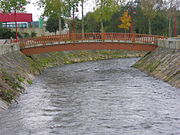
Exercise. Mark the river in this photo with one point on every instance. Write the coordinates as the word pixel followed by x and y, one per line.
pixel 106 97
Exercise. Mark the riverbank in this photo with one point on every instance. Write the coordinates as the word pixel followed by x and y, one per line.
pixel 163 64
pixel 18 71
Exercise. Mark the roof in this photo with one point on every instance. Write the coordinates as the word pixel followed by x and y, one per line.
pixel 15 17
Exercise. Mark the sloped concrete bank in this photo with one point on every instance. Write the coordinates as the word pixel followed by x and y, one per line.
pixel 163 63
pixel 17 71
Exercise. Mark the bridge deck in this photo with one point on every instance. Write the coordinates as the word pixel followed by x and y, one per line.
pixel 90 41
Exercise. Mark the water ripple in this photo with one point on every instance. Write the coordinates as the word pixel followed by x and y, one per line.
pixel 95 98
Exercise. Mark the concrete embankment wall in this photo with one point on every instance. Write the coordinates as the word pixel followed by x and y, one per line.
pixel 164 62
pixel 171 43
pixel 8 48
pixel 17 70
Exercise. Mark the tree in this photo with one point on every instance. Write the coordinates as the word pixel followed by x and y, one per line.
pixel 91 24
pixel 178 22
pixel 13 5
pixel 52 24
pixel 160 23
pixel 105 10
pixel 53 8
pixel 172 7
pixel 82 9
pixel 7 33
pixel 140 20
pixel 71 8
pixel 126 21
pixel 148 7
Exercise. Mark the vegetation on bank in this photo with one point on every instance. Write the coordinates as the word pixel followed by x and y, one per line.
pixel 6 33
pixel 163 64
pixel 18 71
pixel 58 58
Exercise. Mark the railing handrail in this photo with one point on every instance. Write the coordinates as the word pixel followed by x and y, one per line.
pixel 133 37
pixel 91 33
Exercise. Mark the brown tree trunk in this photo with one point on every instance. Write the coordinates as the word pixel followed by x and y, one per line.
pixel 149 21
pixel 102 25
pixel 60 29
pixel 82 6
pixel 169 29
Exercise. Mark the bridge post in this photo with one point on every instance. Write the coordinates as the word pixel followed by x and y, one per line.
pixel 103 36
pixel 44 44
pixel 73 37
pixel 82 36
pixel 155 40
pixel 133 37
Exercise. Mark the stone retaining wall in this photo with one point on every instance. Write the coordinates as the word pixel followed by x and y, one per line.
pixel 171 43
pixel 9 48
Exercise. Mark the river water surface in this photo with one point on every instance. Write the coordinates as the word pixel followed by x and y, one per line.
pixel 95 98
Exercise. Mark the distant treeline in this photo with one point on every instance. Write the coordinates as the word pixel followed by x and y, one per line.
pixel 162 22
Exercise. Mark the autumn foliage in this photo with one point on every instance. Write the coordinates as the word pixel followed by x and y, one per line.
pixel 125 21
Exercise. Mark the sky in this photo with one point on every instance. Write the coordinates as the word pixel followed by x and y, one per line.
pixel 37 12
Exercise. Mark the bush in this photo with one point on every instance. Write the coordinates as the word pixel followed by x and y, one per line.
pixel 6 33
pixel 33 34
pixel 25 35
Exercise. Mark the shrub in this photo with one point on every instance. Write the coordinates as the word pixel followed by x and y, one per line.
pixel 6 33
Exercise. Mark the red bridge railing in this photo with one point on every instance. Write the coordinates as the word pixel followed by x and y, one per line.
pixel 89 37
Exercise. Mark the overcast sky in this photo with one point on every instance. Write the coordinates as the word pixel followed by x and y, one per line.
pixel 31 8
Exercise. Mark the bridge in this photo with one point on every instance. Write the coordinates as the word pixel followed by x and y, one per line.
pixel 89 41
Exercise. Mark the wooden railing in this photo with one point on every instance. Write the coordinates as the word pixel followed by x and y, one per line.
pixel 87 37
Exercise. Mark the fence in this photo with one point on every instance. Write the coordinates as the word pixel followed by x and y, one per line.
pixel 93 37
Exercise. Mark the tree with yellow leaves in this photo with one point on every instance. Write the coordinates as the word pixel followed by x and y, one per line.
pixel 125 21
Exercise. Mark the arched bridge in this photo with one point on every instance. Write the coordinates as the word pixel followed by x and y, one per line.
pixel 89 41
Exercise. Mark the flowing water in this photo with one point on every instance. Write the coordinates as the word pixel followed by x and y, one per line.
pixel 95 98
